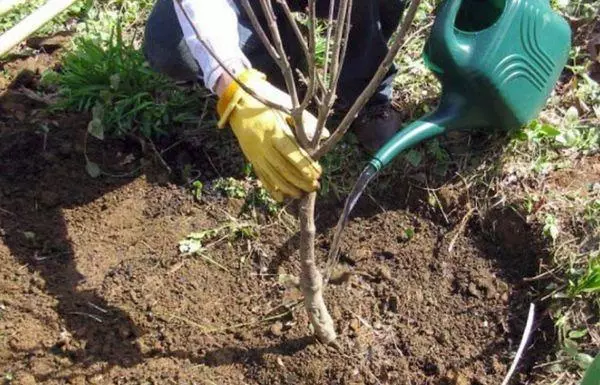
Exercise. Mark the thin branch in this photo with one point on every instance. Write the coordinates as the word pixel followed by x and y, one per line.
pixel 287 72
pixel 278 54
pixel 344 18
pixel 308 49
pixel 360 102
pixel 260 31
pixel 342 25
pixel 212 53
pixel 328 38
pixel 315 78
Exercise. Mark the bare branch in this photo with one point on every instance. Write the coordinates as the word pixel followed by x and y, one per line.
pixel 287 72
pixel 360 102
pixel 278 54
pixel 260 31
pixel 218 59
pixel 338 53
pixel 328 38
pixel 337 63
pixel 315 78
pixel 307 49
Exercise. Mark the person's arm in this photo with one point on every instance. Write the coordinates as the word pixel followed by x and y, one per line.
pixel 216 21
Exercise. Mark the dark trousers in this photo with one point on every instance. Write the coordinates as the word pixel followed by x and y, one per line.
pixel 373 22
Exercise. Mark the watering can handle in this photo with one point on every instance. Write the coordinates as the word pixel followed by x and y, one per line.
pixel 443 28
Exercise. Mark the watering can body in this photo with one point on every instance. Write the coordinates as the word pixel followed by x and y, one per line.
pixel 497 61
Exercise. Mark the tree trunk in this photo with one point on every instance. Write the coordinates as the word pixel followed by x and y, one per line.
pixel 311 280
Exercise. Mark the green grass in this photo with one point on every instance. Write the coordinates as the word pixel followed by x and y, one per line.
pixel 111 79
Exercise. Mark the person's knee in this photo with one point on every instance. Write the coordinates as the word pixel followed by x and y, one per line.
pixel 164 46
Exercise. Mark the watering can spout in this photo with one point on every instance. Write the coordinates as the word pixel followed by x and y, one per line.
pixel 451 114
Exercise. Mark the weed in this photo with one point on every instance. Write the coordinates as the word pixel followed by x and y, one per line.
pixel 592 375
pixel 196 242
pixel 260 198
pixel 197 189
pixel 407 234
pixel 591 213
pixel 111 79
pixel 230 188
pixel 589 281
pixel 550 229
pixel 9 377
pixel 320 38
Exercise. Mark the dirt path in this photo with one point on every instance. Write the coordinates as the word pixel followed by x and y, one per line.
pixel 94 291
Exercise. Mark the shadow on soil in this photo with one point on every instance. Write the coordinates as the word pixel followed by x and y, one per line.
pixel 42 172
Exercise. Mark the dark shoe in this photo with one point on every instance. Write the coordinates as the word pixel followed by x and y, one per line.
pixel 375 125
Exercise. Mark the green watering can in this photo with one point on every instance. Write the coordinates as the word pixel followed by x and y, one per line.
pixel 497 61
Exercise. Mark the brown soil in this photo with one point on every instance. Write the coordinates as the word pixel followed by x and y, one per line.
pixel 94 291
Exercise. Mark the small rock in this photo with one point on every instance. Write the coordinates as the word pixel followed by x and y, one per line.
pixel 24 379
pixel 96 380
pixel 355 256
pixel 340 275
pixel 442 338
pixel 355 325
pixel 454 377
pixel 473 290
pixel 79 380
pixel 497 366
pixel 419 296
pixel 504 297
pixel 277 329
pixel 280 362
pixel 384 273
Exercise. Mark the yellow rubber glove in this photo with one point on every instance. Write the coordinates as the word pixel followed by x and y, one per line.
pixel 266 138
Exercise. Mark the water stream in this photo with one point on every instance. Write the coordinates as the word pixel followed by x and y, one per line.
pixel 361 183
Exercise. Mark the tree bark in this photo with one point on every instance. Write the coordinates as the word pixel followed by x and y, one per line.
pixel 311 280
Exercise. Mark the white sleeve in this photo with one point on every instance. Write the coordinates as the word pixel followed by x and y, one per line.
pixel 217 24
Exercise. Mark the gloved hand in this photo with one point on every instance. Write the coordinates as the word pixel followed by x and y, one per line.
pixel 266 138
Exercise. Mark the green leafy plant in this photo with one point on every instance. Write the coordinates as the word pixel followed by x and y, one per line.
pixel 592 375
pixel 260 198
pixel 551 227
pixel 583 360
pixel 589 281
pixel 230 187
pixel 197 187
pixel 591 213
pixel 111 79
